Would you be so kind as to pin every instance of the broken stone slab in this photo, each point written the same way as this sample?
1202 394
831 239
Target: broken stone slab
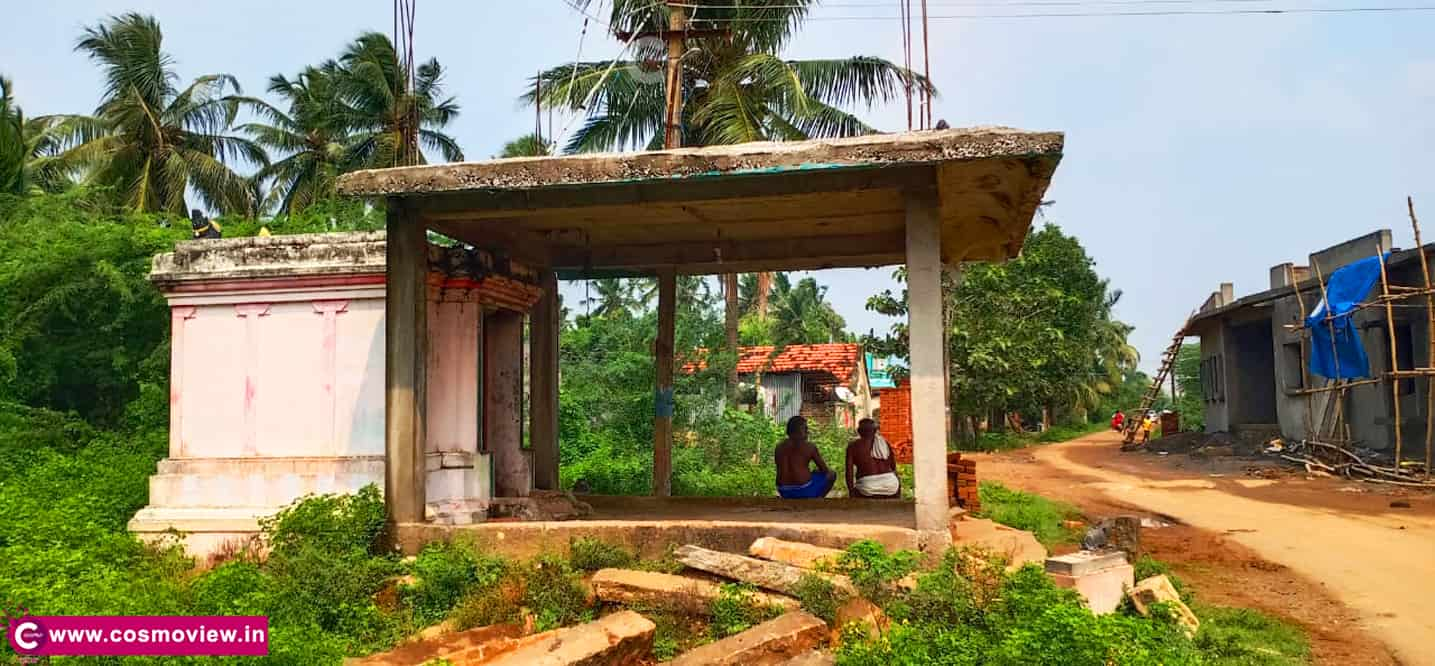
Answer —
1158 589
1083 562
1019 547
774 576
862 613
620 639
767 644
796 553
456 647
812 658
660 590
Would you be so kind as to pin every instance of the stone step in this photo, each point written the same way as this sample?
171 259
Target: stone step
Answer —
774 576
195 490
273 466
796 553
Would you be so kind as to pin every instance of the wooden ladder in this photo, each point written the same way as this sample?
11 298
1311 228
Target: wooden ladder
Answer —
1168 362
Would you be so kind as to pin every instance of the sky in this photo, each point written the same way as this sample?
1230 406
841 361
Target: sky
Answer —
1199 149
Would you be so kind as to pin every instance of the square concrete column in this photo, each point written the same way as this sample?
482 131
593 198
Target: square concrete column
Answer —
405 363
543 384
927 340
503 402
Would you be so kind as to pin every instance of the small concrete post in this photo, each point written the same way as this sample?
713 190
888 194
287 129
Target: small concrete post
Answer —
502 402
543 384
927 341
405 363
663 398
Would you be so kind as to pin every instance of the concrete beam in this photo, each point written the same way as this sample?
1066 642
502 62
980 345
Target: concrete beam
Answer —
927 339
405 364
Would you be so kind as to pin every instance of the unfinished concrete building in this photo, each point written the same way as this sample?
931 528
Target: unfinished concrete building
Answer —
1255 375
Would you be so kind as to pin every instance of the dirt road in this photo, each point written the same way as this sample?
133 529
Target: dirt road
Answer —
1299 547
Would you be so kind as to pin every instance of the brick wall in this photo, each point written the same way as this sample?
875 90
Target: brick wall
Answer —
896 420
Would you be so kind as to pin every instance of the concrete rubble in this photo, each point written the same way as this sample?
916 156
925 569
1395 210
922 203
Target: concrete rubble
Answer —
1158 589
862 613
770 643
459 648
774 576
648 588
796 553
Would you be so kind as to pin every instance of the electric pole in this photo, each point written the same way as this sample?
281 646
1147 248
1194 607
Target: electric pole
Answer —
672 126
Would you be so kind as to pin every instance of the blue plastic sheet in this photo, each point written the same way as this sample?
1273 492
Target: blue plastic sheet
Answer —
1345 359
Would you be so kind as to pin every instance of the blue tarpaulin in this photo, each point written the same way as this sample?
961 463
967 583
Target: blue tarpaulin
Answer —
1347 287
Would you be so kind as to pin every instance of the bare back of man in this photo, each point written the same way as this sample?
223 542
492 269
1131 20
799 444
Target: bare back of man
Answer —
868 475
795 458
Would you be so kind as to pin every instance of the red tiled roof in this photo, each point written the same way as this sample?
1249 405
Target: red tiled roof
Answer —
838 358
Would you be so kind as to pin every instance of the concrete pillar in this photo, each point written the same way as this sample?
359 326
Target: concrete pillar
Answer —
663 398
928 342
503 402
543 384
405 363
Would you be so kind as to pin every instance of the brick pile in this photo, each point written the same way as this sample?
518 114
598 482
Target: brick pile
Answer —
895 422
962 482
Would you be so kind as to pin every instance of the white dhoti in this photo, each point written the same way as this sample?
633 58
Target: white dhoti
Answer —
885 484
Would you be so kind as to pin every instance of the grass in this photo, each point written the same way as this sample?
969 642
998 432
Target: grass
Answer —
1026 511
1246 636
1008 441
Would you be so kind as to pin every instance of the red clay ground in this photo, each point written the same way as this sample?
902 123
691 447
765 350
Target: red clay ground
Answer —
1330 555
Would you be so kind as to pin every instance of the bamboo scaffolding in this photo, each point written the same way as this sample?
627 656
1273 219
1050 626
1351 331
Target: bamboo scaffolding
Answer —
1334 456
1429 337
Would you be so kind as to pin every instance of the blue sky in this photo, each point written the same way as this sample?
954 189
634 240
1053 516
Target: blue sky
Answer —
1200 149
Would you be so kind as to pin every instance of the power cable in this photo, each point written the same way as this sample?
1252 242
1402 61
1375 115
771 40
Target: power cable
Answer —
1168 12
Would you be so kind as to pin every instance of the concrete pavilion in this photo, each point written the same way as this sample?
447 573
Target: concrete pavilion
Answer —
930 200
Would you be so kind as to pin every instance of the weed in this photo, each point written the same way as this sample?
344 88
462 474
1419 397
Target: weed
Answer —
736 609
1147 566
1245 636
1025 511
819 596
592 554
496 604
445 573
874 571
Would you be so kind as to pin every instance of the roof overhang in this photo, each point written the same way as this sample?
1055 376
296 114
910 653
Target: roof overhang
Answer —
743 208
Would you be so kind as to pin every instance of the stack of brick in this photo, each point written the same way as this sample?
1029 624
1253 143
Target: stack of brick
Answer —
962 482
896 421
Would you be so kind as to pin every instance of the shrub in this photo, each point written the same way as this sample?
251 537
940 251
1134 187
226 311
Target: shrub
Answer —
875 572
555 594
819 596
446 572
496 604
736 609
591 554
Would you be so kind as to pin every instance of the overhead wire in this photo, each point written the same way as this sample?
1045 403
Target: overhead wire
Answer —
1092 3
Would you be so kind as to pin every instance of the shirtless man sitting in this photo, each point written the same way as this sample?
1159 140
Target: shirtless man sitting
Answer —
795 457
870 457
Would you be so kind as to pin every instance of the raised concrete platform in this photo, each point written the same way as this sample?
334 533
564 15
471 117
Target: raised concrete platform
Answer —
649 525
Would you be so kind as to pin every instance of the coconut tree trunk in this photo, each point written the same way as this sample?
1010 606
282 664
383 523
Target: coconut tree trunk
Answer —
729 288
764 286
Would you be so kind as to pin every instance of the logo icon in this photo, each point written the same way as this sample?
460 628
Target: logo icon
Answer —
650 61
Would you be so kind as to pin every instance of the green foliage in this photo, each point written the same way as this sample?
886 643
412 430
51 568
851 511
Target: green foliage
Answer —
1244 636
555 594
1190 404
819 596
1025 511
1147 566
1008 440
736 609
446 571
874 571
592 554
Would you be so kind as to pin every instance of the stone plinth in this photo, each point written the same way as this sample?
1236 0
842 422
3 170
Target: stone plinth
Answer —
1101 579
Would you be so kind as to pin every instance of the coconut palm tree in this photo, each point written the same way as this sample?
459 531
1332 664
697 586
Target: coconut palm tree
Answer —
151 142
392 125
28 148
528 145
801 313
611 297
310 141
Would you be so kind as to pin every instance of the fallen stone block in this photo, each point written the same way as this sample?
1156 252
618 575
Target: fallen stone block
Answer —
862 613
796 553
1102 588
1018 546
774 576
456 647
770 643
812 658
1158 589
660 590
619 639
